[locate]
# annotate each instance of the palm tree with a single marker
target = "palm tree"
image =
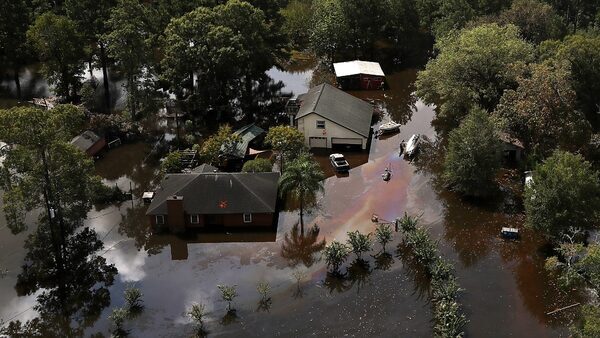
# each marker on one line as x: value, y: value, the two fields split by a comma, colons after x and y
x: 302, y: 179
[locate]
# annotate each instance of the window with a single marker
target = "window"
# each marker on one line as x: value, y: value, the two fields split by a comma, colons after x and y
x: 160, y: 219
x: 320, y: 124
x: 195, y: 219
x: 247, y: 218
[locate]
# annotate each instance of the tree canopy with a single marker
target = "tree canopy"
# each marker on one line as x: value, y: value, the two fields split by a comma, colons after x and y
x: 542, y: 113
x: 473, y: 155
x: 565, y: 193
x: 58, y: 42
x: 473, y: 67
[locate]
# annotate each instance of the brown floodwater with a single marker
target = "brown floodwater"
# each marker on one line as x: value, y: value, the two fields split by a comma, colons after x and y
x: 507, y: 292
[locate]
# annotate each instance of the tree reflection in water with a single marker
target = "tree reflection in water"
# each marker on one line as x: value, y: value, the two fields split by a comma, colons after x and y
x: 134, y: 224
x: 414, y: 270
x: 383, y: 261
x: 229, y: 318
x: 72, y: 297
x: 301, y: 248
x: 358, y: 273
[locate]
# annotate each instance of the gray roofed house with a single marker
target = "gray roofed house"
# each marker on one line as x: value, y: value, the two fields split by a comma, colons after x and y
x: 328, y: 116
x: 203, y: 199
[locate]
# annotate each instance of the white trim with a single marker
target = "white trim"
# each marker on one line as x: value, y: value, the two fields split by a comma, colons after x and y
x: 161, y: 218
x: 249, y: 219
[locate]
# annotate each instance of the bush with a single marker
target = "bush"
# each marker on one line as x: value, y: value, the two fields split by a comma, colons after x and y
x: 359, y: 243
x: 133, y: 297
x: 228, y: 293
x: 172, y: 163
x: 197, y: 313
x: 259, y: 165
x: 335, y: 255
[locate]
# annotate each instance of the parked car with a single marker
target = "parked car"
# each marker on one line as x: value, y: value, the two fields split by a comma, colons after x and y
x: 339, y: 163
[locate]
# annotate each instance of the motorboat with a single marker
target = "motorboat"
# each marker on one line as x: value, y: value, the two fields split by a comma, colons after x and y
x: 339, y: 163
x: 412, y: 146
x: 509, y: 233
x: 389, y: 127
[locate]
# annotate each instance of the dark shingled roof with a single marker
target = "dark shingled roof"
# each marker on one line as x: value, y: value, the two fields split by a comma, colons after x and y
x: 218, y: 193
x: 337, y: 106
x: 86, y: 140
x: 205, y: 168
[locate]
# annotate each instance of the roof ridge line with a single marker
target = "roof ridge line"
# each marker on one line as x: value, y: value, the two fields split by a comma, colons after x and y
x: 314, y: 108
x: 252, y: 192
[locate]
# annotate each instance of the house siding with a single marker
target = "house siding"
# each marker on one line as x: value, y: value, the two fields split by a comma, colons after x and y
x: 231, y: 220
x: 308, y: 126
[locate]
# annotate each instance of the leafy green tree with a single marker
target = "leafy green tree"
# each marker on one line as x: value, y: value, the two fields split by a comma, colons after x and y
x: 227, y: 46
x: 452, y: 16
x: 43, y: 171
x: 582, y: 51
x: 473, y: 155
x: 335, y: 255
x: 133, y: 298
x: 259, y: 165
x: 542, y: 113
x: 91, y: 17
x: 222, y: 142
x: 228, y: 293
x: 590, y: 323
x: 15, y: 52
x: 117, y: 317
x: 473, y: 67
x: 197, y: 313
x: 127, y: 41
x: 302, y: 180
x: 263, y: 289
x: 329, y: 27
x: 361, y: 33
x: 565, y: 192
x: 297, y: 18
x: 577, y: 13
x: 58, y: 42
x: 286, y: 141
x: 384, y: 234
x: 537, y: 21
x: 359, y: 243
x: 172, y: 163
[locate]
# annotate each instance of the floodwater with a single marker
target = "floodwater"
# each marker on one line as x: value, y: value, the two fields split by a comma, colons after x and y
x: 507, y: 292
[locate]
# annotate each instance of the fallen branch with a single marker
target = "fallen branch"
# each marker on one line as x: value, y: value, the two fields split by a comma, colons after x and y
x: 563, y: 308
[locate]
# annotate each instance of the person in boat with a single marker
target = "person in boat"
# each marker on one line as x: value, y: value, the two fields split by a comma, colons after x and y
x: 402, y: 146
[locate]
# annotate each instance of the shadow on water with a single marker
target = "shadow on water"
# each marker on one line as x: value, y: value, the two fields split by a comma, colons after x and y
x: 301, y: 248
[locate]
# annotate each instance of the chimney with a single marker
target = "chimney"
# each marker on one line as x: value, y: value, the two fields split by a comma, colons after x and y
x: 175, y: 214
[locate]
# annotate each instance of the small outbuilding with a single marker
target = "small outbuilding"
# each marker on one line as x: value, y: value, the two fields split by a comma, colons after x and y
x: 512, y: 149
x: 354, y: 75
x: 250, y: 137
x: 329, y: 118
x: 89, y: 142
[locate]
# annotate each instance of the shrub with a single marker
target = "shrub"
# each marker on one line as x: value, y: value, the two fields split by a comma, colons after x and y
x: 359, y: 243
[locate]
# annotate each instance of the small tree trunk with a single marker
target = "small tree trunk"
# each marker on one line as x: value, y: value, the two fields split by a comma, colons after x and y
x: 302, y: 217
x: 105, y: 77
x: 91, y: 70
x: 17, y: 82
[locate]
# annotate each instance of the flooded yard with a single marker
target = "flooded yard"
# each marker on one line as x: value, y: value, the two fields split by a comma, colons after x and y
x: 507, y: 292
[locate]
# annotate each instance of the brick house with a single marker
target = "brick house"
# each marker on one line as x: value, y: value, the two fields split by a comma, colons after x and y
x: 208, y: 199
